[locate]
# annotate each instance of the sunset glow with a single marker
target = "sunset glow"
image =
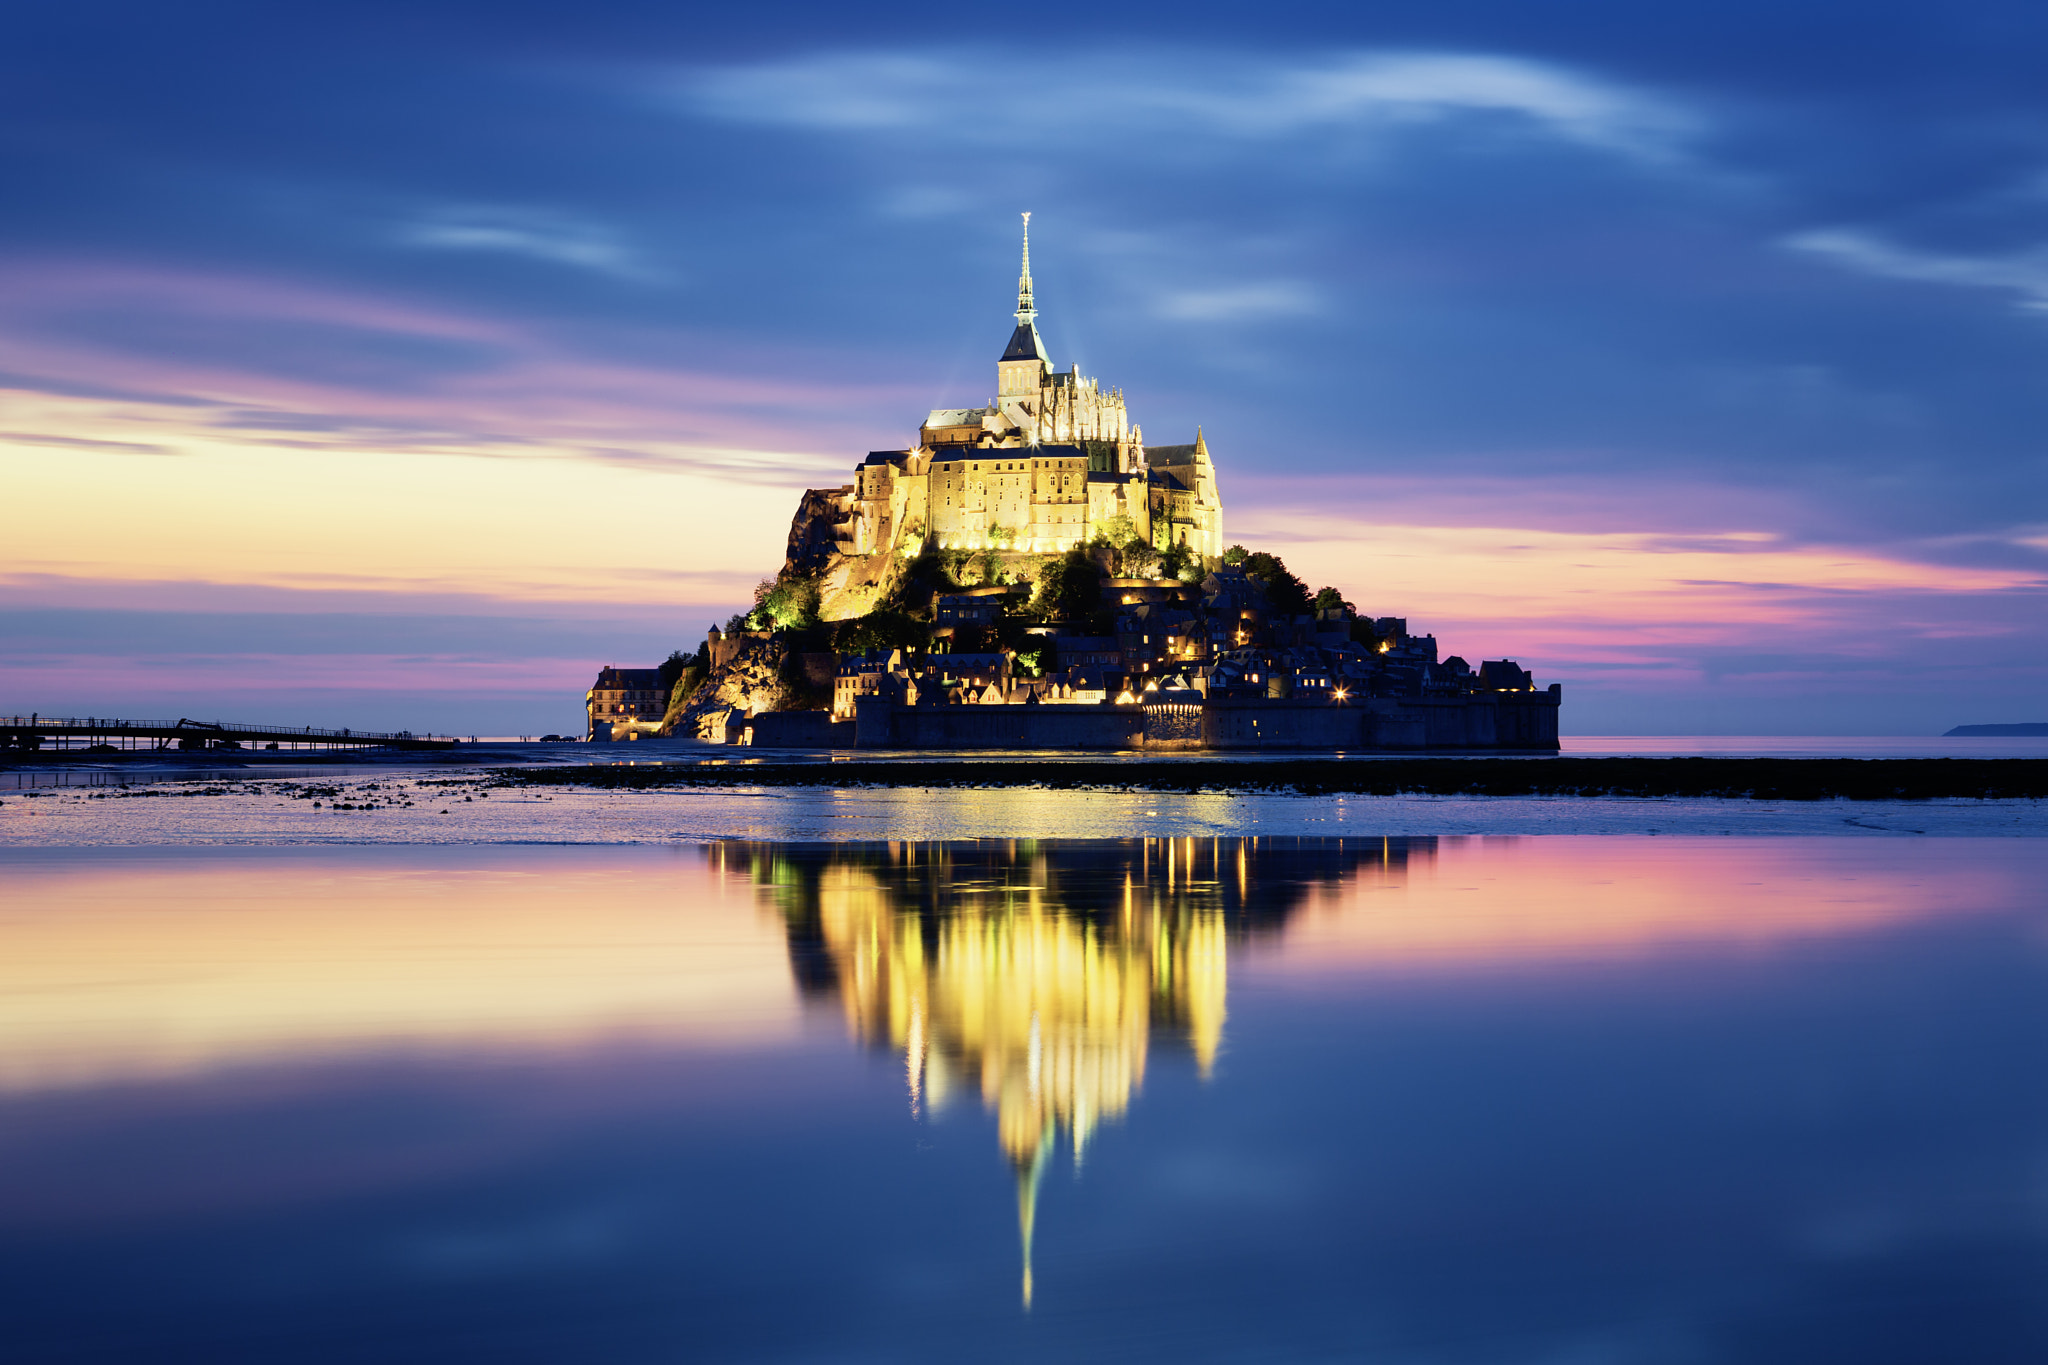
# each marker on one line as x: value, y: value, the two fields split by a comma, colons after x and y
x: 1771, y: 471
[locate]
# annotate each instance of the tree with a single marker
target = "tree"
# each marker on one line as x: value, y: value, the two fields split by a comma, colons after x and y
x: 1037, y: 655
x: 786, y: 603
x: 1329, y: 599
x: 880, y: 631
x: 1174, y: 560
x: 919, y: 579
x: 1118, y: 530
x: 1069, y: 588
x: 1236, y: 554
x: 1139, y: 559
x: 680, y: 675
x: 1287, y: 594
x: 672, y: 668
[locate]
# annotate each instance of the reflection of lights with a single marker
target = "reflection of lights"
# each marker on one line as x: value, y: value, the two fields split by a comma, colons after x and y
x: 1048, y: 1010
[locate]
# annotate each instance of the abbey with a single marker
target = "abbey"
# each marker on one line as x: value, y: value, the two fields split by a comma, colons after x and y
x: 1052, y: 462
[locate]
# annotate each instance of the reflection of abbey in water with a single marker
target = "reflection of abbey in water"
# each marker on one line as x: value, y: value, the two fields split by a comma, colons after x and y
x: 1039, y: 972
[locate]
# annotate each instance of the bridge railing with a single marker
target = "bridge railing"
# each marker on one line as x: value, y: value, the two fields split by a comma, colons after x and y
x: 108, y: 725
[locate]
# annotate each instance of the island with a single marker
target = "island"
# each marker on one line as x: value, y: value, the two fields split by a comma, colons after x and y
x: 1031, y: 574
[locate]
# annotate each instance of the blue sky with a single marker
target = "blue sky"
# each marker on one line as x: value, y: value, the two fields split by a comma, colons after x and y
x: 1695, y: 355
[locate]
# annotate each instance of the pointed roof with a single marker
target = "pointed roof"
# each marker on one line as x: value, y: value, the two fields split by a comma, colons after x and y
x: 1026, y: 345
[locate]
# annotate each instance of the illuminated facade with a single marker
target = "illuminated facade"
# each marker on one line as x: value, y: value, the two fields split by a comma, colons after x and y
x: 624, y: 703
x: 1052, y: 461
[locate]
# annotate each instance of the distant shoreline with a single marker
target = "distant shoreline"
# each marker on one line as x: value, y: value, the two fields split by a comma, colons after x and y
x: 2026, y: 730
x: 1764, y: 779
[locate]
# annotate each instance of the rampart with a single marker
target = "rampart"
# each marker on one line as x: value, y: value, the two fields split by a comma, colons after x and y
x: 1522, y: 721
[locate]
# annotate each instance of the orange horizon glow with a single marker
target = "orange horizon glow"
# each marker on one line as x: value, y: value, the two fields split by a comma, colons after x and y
x: 137, y: 969
x: 119, y: 971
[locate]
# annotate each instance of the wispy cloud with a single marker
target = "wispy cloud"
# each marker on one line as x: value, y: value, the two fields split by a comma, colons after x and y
x: 216, y: 372
x: 540, y: 236
x: 2024, y: 273
x: 947, y: 94
x: 1238, y: 303
x: 32, y: 438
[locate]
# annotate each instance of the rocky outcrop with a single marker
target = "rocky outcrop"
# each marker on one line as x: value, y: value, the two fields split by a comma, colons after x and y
x: 750, y: 682
x: 851, y: 586
x: 814, y: 532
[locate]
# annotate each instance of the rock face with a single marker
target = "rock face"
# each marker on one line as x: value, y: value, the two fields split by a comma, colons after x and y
x: 750, y: 682
x: 851, y: 587
x: 816, y: 529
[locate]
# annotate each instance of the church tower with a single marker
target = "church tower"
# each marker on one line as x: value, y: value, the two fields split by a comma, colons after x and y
x: 1022, y: 371
x: 1053, y: 461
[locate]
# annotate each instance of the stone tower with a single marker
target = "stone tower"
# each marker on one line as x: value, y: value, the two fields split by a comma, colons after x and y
x: 1022, y: 371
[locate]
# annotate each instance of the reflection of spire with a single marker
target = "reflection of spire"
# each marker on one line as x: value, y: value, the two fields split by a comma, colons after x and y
x: 1051, y: 1009
x: 1037, y: 973
x: 913, y: 1059
x: 1027, y: 1200
x: 1026, y: 313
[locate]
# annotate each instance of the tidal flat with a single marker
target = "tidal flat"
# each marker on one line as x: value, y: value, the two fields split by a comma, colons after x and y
x: 679, y: 804
x: 1769, y: 779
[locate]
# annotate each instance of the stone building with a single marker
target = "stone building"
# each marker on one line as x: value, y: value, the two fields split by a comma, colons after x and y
x: 624, y: 702
x: 1049, y: 463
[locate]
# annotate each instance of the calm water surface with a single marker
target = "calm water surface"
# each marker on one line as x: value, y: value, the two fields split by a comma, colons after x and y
x: 1542, y: 1099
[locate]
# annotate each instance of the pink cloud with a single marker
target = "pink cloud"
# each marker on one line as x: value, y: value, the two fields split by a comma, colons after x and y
x: 530, y: 394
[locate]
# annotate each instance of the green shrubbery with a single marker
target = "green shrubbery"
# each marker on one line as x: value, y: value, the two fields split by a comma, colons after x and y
x: 1066, y: 591
x: 1287, y: 594
x: 880, y: 630
x: 787, y: 603
x: 1069, y: 588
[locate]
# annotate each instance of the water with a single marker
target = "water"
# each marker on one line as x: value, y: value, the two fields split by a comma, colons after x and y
x: 1805, y: 746
x: 1300, y: 1099
x: 76, y: 770
x: 439, y: 807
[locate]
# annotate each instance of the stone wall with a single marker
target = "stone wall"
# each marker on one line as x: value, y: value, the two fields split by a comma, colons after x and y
x: 1517, y: 721
x: 883, y: 724
x: 1498, y: 720
x: 798, y: 730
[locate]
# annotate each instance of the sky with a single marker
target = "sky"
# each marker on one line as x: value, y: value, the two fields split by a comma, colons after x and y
x: 403, y: 364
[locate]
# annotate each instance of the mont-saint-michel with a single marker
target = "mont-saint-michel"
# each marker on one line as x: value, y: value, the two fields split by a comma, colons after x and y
x: 1030, y: 573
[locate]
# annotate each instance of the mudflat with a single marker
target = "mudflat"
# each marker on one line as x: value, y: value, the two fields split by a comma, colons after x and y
x: 1773, y: 779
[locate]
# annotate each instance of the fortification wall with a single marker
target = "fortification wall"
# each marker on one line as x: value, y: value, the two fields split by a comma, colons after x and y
x: 798, y: 730
x: 1485, y: 721
x: 1526, y: 721
x: 882, y: 724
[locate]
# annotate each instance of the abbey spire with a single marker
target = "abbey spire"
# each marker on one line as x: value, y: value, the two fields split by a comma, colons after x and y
x: 1051, y: 463
x: 1026, y: 313
x: 1025, y: 344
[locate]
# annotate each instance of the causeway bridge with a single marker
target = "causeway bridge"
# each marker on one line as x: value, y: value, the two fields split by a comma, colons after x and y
x: 104, y: 734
